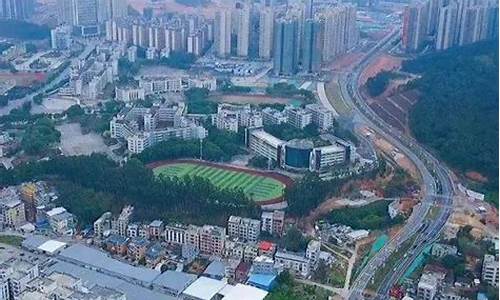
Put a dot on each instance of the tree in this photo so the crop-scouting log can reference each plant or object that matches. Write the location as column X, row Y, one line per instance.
column 294, row 240
column 74, row 111
column 39, row 137
column 197, row 101
column 458, row 107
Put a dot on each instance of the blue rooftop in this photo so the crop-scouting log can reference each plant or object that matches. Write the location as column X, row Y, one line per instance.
column 262, row 280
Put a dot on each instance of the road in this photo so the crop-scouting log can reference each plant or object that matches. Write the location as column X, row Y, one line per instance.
column 436, row 180
column 89, row 47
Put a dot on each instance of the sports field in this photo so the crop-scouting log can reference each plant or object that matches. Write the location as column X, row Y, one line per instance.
column 257, row 187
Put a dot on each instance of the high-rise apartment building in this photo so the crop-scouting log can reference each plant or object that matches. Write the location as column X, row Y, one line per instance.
column 111, row 9
column 312, row 46
column 415, row 26
column 222, row 33
column 82, row 14
column 286, row 45
column 16, row 9
column 340, row 32
column 242, row 17
column 447, row 27
column 266, row 29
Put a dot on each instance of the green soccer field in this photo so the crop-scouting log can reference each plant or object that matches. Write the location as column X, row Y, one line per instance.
column 257, row 187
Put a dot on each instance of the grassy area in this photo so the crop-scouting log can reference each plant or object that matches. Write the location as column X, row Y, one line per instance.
column 337, row 275
column 256, row 187
column 332, row 90
column 12, row 240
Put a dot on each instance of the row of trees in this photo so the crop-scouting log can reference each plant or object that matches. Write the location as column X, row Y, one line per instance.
column 288, row 132
column 457, row 114
column 283, row 89
column 377, row 84
column 218, row 146
column 90, row 185
column 372, row 216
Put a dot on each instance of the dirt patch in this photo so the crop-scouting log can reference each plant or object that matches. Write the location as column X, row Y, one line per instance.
column 22, row 78
column 400, row 159
column 346, row 62
column 73, row 142
column 382, row 63
column 476, row 176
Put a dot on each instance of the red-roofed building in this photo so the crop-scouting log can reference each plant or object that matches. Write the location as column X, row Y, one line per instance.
column 267, row 248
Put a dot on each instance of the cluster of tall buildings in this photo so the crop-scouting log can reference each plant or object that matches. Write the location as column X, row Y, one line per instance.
column 299, row 38
column 87, row 15
column 16, row 9
column 180, row 33
column 448, row 23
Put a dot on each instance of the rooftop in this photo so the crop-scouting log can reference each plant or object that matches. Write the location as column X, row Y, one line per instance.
column 204, row 288
column 100, row 260
column 245, row 292
column 175, row 281
column 271, row 139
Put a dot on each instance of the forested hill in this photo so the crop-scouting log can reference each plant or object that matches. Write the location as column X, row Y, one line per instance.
column 458, row 112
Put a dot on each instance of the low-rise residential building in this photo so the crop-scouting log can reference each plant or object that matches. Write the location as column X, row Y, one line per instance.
column 155, row 229
column 116, row 244
column 175, row 234
column 267, row 248
column 296, row 263
column 18, row 272
column 490, row 270
column 263, row 265
column 313, row 253
column 12, row 212
column 154, row 253
column 243, row 228
column 132, row 230
column 212, row 239
column 428, row 286
column 440, row 250
column 102, row 224
column 65, row 286
column 250, row 252
column 61, row 221
column 273, row 222
column 123, row 220
column 137, row 248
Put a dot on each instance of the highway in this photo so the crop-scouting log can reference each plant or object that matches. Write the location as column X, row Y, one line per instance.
column 436, row 182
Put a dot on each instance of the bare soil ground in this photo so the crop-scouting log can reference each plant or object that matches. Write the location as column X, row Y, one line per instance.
column 22, row 78
column 346, row 62
column 73, row 142
column 383, row 63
